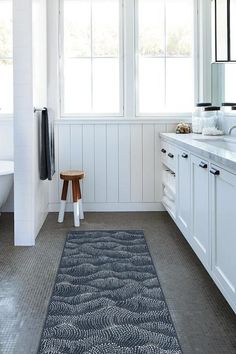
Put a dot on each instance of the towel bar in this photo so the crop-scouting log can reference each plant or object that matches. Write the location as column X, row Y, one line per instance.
column 39, row 109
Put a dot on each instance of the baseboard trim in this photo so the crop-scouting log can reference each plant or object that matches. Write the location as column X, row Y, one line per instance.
column 111, row 207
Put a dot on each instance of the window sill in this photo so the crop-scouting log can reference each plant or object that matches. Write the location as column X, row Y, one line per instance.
column 165, row 119
column 6, row 117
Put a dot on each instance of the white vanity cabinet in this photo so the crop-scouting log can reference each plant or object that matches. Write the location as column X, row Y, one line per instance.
column 168, row 155
column 223, row 230
column 205, row 212
column 183, row 187
column 199, row 193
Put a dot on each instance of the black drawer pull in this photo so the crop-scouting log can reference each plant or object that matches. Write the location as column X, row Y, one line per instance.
column 163, row 150
column 214, row 172
column 171, row 155
column 203, row 165
column 185, row 156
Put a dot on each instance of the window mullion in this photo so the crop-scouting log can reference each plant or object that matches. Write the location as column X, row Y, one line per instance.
column 129, row 58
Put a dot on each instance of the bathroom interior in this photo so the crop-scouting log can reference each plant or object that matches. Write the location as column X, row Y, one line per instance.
column 117, row 176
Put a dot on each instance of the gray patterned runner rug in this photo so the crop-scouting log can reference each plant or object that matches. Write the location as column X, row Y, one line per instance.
column 107, row 299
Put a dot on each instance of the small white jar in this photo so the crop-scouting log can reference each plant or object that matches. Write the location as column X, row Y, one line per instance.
column 197, row 117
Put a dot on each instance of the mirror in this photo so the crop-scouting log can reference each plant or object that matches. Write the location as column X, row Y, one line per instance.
column 224, row 24
column 233, row 29
column 223, row 83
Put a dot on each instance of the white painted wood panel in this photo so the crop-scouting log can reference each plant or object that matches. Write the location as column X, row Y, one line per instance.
column 200, row 209
column 148, row 163
column 223, row 194
column 159, row 128
column 64, row 154
column 89, row 163
column 76, row 147
column 136, row 162
column 100, row 164
column 121, row 161
column 112, row 164
column 54, row 185
column 124, row 163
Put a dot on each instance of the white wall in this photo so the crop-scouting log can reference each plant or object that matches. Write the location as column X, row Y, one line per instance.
column 39, row 21
column 30, row 193
column 121, row 161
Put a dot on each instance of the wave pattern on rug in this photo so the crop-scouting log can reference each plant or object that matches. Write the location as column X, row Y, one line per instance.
column 107, row 299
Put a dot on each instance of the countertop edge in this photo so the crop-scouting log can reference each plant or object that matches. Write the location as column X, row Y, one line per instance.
column 225, row 158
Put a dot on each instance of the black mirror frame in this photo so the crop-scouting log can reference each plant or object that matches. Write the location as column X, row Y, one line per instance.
column 228, row 34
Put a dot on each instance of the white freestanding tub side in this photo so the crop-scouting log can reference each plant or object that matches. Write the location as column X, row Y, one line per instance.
column 6, row 180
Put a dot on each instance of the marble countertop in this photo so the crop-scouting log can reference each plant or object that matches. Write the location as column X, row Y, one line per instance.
column 196, row 144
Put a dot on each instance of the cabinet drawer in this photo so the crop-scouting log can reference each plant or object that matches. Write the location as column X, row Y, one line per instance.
column 168, row 155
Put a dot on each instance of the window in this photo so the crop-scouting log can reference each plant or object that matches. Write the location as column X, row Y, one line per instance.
column 158, row 61
column 165, row 56
column 92, row 57
column 6, row 58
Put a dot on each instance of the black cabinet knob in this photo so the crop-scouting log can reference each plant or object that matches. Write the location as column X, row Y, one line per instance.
column 185, row 156
column 163, row 150
column 203, row 165
column 214, row 172
column 171, row 155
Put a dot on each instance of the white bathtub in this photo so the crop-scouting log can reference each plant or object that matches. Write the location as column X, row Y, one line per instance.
column 6, row 180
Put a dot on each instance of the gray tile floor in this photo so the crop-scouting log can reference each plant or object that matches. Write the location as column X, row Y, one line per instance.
column 204, row 322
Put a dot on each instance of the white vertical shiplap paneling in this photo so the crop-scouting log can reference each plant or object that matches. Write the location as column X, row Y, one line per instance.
column 136, row 163
column 148, row 163
column 76, row 147
column 112, row 164
column 171, row 128
column 124, row 163
column 121, row 161
column 100, row 164
column 159, row 128
column 89, row 163
column 54, row 185
column 64, row 153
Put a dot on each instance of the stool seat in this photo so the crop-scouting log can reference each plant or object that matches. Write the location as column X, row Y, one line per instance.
column 72, row 175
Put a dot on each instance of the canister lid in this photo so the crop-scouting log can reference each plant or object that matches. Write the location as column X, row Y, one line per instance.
column 212, row 108
column 205, row 104
column 228, row 104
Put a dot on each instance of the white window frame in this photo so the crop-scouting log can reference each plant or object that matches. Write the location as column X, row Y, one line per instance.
column 195, row 65
column 61, row 68
column 7, row 116
column 201, row 58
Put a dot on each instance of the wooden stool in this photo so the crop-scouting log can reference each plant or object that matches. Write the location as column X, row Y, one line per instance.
column 74, row 177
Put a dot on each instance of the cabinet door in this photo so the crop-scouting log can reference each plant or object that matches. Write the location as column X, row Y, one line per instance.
column 168, row 155
column 223, row 217
column 200, row 237
column 183, row 192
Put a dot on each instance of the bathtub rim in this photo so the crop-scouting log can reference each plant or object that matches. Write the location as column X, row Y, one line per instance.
column 6, row 167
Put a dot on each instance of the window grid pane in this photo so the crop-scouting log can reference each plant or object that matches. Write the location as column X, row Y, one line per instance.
column 176, row 91
column 96, row 40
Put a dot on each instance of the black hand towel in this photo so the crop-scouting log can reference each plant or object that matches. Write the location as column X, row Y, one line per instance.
column 47, row 159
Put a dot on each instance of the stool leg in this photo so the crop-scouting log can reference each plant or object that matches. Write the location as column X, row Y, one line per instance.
column 63, row 202
column 81, row 212
column 75, row 192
